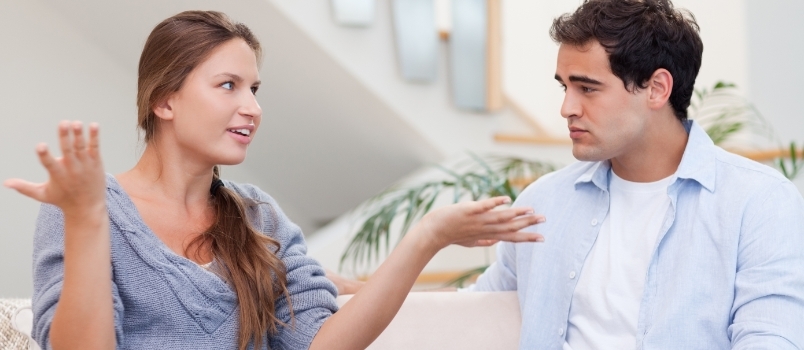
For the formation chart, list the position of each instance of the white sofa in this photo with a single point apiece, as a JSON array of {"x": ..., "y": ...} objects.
[
  {"x": 450, "y": 320},
  {"x": 427, "y": 320},
  {"x": 16, "y": 321}
]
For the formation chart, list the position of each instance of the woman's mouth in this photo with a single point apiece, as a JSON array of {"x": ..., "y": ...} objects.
[
  {"x": 244, "y": 132},
  {"x": 242, "y": 135}
]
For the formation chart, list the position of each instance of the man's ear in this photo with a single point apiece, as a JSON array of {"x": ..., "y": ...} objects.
[
  {"x": 164, "y": 109},
  {"x": 660, "y": 86}
]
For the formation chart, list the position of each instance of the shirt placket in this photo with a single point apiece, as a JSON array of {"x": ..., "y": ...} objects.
[{"x": 646, "y": 307}]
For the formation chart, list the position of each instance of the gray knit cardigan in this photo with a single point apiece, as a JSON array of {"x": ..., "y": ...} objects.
[{"x": 165, "y": 301}]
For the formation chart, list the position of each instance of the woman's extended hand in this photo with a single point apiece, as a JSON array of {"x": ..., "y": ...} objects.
[
  {"x": 376, "y": 303},
  {"x": 478, "y": 224},
  {"x": 77, "y": 181}
]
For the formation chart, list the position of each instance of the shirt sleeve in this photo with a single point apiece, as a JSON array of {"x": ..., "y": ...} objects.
[
  {"x": 48, "y": 276},
  {"x": 312, "y": 294},
  {"x": 768, "y": 310},
  {"x": 501, "y": 274}
]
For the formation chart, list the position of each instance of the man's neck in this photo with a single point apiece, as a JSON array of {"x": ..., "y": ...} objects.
[{"x": 656, "y": 157}]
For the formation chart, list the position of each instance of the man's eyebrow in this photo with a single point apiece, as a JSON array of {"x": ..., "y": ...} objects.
[{"x": 584, "y": 79}]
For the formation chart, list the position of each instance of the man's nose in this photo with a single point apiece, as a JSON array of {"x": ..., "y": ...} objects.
[{"x": 571, "y": 106}]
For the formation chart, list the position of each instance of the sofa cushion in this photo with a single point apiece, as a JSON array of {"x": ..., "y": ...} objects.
[{"x": 450, "y": 320}]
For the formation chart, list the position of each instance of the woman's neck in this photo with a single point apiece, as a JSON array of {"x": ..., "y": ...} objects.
[{"x": 165, "y": 175}]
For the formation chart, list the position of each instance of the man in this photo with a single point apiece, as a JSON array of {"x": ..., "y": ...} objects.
[{"x": 657, "y": 239}]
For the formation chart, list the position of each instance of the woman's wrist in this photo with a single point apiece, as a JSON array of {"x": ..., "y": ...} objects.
[
  {"x": 94, "y": 211},
  {"x": 425, "y": 238}
]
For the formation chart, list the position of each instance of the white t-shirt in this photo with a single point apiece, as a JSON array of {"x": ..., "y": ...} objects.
[{"x": 605, "y": 304}]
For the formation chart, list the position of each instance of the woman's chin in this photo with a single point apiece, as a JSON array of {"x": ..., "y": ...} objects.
[{"x": 231, "y": 159}]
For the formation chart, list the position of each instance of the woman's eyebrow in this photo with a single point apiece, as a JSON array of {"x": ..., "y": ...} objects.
[{"x": 236, "y": 78}]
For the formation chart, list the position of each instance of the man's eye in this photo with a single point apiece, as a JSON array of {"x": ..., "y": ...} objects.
[
  {"x": 254, "y": 89},
  {"x": 563, "y": 87},
  {"x": 228, "y": 85},
  {"x": 587, "y": 89}
]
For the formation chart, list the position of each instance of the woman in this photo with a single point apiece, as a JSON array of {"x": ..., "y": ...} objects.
[{"x": 197, "y": 262}]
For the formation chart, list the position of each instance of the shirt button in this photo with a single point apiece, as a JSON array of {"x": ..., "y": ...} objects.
[
  {"x": 572, "y": 274},
  {"x": 561, "y": 331},
  {"x": 594, "y": 222}
]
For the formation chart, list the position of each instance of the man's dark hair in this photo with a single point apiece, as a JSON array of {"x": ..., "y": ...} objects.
[{"x": 640, "y": 36}]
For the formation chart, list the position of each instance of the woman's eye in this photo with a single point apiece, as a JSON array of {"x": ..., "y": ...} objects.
[
  {"x": 254, "y": 89},
  {"x": 228, "y": 85}
]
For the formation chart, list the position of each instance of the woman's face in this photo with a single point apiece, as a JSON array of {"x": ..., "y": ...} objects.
[{"x": 214, "y": 115}]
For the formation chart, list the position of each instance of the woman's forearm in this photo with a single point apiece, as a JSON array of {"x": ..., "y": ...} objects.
[
  {"x": 374, "y": 306},
  {"x": 365, "y": 316},
  {"x": 84, "y": 316}
]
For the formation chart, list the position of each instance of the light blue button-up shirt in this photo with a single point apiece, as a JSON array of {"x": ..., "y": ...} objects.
[{"x": 727, "y": 270}]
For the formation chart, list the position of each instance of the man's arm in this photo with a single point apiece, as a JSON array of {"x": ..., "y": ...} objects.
[
  {"x": 768, "y": 309},
  {"x": 501, "y": 275}
]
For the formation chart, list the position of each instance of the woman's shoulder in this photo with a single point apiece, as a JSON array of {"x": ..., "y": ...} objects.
[
  {"x": 249, "y": 191},
  {"x": 269, "y": 217}
]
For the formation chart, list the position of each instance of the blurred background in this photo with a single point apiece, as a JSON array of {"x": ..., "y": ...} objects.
[{"x": 362, "y": 95}]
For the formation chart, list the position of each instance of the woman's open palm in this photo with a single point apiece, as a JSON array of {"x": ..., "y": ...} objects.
[
  {"x": 477, "y": 223},
  {"x": 77, "y": 180}
]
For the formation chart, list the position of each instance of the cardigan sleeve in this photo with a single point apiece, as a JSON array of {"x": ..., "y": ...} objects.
[
  {"x": 48, "y": 275},
  {"x": 312, "y": 294}
]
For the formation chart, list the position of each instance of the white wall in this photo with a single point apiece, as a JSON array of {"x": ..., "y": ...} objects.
[
  {"x": 369, "y": 55},
  {"x": 775, "y": 58},
  {"x": 50, "y": 73},
  {"x": 530, "y": 55}
]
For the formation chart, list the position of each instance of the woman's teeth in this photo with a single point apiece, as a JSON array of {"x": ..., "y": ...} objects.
[{"x": 245, "y": 132}]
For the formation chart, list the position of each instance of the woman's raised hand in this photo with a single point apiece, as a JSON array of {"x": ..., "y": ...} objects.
[
  {"x": 77, "y": 180},
  {"x": 478, "y": 224}
]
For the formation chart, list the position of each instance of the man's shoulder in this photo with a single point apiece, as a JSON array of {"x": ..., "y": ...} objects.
[
  {"x": 561, "y": 178},
  {"x": 736, "y": 170},
  {"x": 556, "y": 185}
]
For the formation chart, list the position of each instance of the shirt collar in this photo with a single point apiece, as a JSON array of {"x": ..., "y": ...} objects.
[{"x": 697, "y": 163}]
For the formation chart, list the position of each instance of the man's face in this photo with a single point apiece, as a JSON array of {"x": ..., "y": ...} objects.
[{"x": 604, "y": 119}]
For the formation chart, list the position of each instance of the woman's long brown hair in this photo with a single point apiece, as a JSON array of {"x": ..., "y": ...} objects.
[{"x": 247, "y": 257}]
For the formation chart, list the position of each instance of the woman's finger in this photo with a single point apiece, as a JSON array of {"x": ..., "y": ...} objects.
[
  {"x": 94, "y": 142},
  {"x": 519, "y": 237},
  {"x": 505, "y": 215},
  {"x": 51, "y": 165},
  {"x": 514, "y": 225},
  {"x": 79, "y": 144},
  {"x": 30, "y": 189},
  {"x": 486, "y": 242},
  {"x": 64, "y": 139},
  {"x": 485, "y": 205}
]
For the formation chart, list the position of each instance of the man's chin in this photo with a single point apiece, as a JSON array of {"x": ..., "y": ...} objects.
[{"x": 587, "y": 154}]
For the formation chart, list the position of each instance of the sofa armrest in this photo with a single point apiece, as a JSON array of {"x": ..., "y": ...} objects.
[{"x": 16, "y": 322}]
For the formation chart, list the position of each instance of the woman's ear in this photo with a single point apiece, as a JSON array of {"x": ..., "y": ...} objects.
[
  {"x": 660, "y": 86},
  {"x": 164, "y": 109}
]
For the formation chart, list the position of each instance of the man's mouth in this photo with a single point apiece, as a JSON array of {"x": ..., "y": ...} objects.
[{"x": 576, "y": 132}]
